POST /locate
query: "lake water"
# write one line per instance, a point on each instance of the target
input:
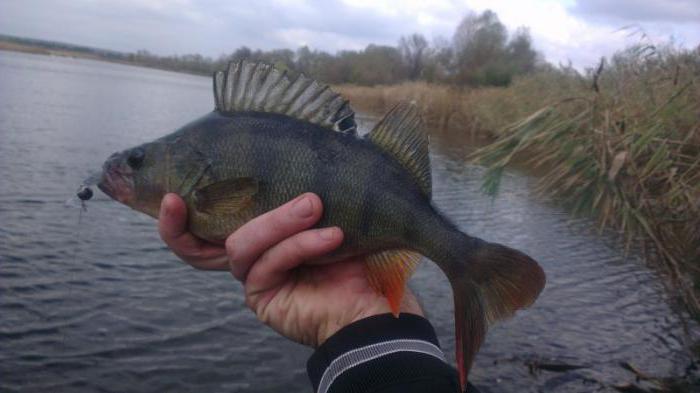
(104, 306)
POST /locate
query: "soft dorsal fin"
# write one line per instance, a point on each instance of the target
(259, 87)
(400, 134)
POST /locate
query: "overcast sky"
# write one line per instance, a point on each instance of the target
(577, 30)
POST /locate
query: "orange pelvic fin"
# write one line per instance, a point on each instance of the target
(388, 271)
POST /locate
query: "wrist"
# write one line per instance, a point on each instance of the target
(380, 350)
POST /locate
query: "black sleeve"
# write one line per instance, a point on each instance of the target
(383, 354)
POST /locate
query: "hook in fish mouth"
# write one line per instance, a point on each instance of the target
(84, 193)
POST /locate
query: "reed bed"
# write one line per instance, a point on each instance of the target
(463, 111)
(621, 144)
(442, 107)
(625, 148)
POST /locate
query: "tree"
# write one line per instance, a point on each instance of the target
(439, 61)
(319, 65)
(305, 60)
(241, 53)
(479, 44)
(414, 50)
(377, 64)
(521, 56)
(480, 53)
(283, 59)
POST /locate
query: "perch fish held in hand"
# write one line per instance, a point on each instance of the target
(272, 137)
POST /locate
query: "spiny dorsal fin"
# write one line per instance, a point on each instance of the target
(259, 87)
(400, 134)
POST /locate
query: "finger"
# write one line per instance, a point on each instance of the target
(172, 218)
(252, 239)
(172, 226)
(219, 262)
(274, 266)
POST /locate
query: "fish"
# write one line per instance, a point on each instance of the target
(273, 136)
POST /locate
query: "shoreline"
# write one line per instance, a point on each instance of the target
(487, 116)
(39, 50)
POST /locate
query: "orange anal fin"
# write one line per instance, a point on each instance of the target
(388, 271)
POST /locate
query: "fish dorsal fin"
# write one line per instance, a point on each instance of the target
(401, 135)
(259, 87)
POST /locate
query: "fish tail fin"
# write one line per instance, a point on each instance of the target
(490, 284)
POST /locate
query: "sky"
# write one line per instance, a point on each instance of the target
(576, 31)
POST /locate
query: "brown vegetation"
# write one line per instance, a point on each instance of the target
(621, 143)
(441, 105)
(624, 146)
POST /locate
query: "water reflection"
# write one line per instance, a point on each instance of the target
(109, 308)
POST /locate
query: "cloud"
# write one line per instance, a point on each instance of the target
(211, 27)
(563, 29)
(655, 21)
(635, 11)
(563, 32)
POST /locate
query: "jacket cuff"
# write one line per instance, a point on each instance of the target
(379, 351)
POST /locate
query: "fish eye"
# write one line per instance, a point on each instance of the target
(135, 158)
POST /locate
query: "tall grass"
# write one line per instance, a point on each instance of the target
(463, 111)
(442, 107)
(620, 143)
(625, 148)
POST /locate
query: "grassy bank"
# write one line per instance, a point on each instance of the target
(620, 143)
(85, 54)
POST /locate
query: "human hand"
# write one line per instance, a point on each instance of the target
(172, 226)
(304, 302)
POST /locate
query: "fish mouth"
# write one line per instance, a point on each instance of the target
(117, 181)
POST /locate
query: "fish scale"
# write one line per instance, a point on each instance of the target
(272, 137)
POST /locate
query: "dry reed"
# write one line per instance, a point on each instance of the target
(621, 144)
(443, 108)
(625, 149)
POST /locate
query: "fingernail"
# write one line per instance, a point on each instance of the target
(328, 233)
(303, 208)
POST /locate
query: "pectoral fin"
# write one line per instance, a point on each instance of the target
(388, 272)
(232, 197)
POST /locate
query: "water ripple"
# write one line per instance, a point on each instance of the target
(106, 307)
